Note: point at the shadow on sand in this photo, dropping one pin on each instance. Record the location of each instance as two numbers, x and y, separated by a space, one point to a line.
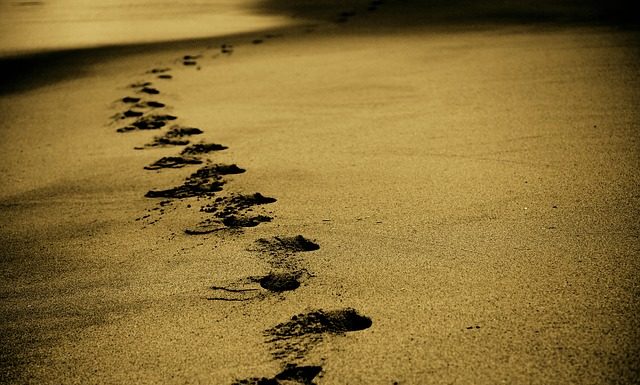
23 73
416 13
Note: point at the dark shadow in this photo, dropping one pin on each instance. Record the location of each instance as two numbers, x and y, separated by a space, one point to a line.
25 72
19 74
416 13
22 73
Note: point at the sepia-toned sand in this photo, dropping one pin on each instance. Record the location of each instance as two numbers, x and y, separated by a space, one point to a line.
473 190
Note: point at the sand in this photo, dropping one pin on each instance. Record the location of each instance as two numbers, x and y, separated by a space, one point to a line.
431 204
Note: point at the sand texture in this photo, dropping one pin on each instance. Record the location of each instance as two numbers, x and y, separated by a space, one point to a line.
369 195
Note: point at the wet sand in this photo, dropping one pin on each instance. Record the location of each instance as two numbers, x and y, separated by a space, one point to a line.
343 202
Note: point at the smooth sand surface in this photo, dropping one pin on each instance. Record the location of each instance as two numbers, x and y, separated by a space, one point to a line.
474 193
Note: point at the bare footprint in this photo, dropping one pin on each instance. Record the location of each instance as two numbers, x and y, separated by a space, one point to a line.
257 288
203 183
140 84
132 114
172 162
203 148
293 339
291 375
149 90
278 245
130 99
158 70
232 212
236 204
283 252
151 104
231 222
176 136
137 102
149 122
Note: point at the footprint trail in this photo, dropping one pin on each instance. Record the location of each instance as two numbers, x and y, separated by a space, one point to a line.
228 212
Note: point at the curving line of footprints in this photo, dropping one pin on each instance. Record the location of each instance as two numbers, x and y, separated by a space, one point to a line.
289 341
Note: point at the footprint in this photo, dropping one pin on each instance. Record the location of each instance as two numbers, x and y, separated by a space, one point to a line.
292 340
189 155
149 90
172 162
320 322
237 221
129 99
284 276
152 104
232 212
149 122
203 148
190 60
232 222
282 253
132 114
257 288
203 183
294 244
226 49
174 137
165 76
280 281
158 70
291 375
127 114
257 41
178 131
140 84
137 102
234 204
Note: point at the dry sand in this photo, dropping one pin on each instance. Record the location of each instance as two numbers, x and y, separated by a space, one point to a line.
474 194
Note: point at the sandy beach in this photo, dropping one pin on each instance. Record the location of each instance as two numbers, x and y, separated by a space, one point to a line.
381 193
